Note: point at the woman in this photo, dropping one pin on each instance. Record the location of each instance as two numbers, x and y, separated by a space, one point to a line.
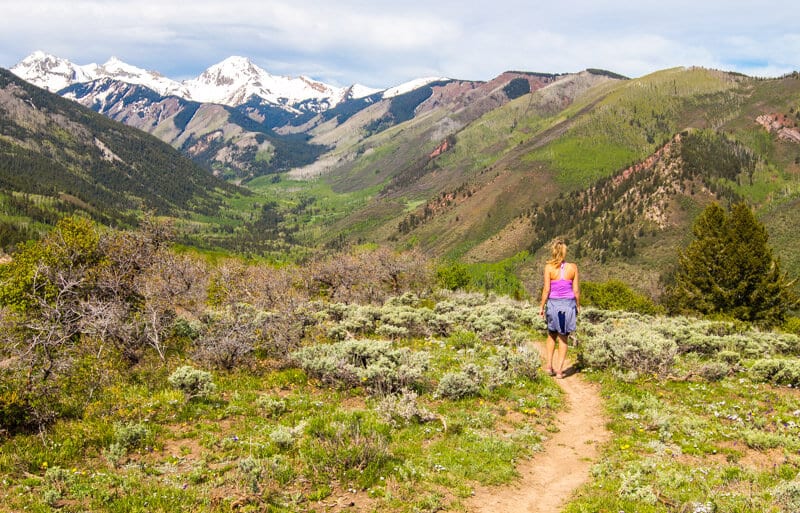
560 305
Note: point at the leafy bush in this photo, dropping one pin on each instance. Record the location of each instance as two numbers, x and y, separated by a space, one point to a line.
192 382
271 406
127 437
509 364
777 370
714 371
463 340
457 385
616 295
453 276
400 409
373 364
285 437
629 346
13 410
792 325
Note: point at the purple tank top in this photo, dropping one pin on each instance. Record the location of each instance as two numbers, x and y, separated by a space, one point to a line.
561 288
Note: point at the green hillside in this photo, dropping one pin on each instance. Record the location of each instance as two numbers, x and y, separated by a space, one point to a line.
57 157
510 179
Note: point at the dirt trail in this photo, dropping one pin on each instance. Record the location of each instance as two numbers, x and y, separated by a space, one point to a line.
548 480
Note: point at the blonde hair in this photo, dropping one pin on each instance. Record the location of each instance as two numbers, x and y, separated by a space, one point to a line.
558 252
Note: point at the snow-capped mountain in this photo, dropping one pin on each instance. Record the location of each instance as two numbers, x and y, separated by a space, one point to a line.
236 79
50 72
54 73
232 82
410 86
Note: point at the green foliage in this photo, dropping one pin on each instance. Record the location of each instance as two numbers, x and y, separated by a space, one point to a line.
517 87
86 162
464 383
192 382
13 409
127 437
404 408
780 371
629 345
616 295
373 364
352 447
30 278
498 277
453 276
729 269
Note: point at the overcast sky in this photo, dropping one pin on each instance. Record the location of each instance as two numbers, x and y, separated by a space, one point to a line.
384 43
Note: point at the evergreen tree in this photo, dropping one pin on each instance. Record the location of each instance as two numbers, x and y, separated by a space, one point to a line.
729 269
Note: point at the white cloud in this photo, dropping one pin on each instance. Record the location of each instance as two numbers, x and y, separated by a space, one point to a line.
382 43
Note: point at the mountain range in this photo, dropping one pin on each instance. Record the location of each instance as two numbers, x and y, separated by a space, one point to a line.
235 118
484 171
231 82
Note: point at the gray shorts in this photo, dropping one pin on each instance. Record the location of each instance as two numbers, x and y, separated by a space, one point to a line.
561 316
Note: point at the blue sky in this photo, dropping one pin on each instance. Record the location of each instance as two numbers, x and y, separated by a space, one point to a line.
384 43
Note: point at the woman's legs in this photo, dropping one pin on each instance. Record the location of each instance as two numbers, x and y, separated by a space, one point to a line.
562 355
550 348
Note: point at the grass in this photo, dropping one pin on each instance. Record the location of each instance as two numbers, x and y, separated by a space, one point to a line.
691 440
680 444
278 438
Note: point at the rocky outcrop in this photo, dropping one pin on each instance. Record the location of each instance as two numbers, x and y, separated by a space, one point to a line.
782 125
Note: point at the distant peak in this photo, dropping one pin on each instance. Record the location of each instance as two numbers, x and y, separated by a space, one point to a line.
237 61
39 55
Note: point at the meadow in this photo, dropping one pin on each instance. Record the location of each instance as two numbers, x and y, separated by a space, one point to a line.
358 383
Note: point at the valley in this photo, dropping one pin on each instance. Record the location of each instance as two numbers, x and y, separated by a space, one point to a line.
217 295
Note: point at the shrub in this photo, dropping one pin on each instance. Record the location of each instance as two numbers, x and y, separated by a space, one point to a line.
13 410
229 336
251 469
373 364
192 382
629 346
58 481
634 487
463 340
271 406
509 364
348 447
453 276
616 295
730 357
787 495
792 325
400 409
283 437
184 328
777 370
126 438
457 385
714 371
